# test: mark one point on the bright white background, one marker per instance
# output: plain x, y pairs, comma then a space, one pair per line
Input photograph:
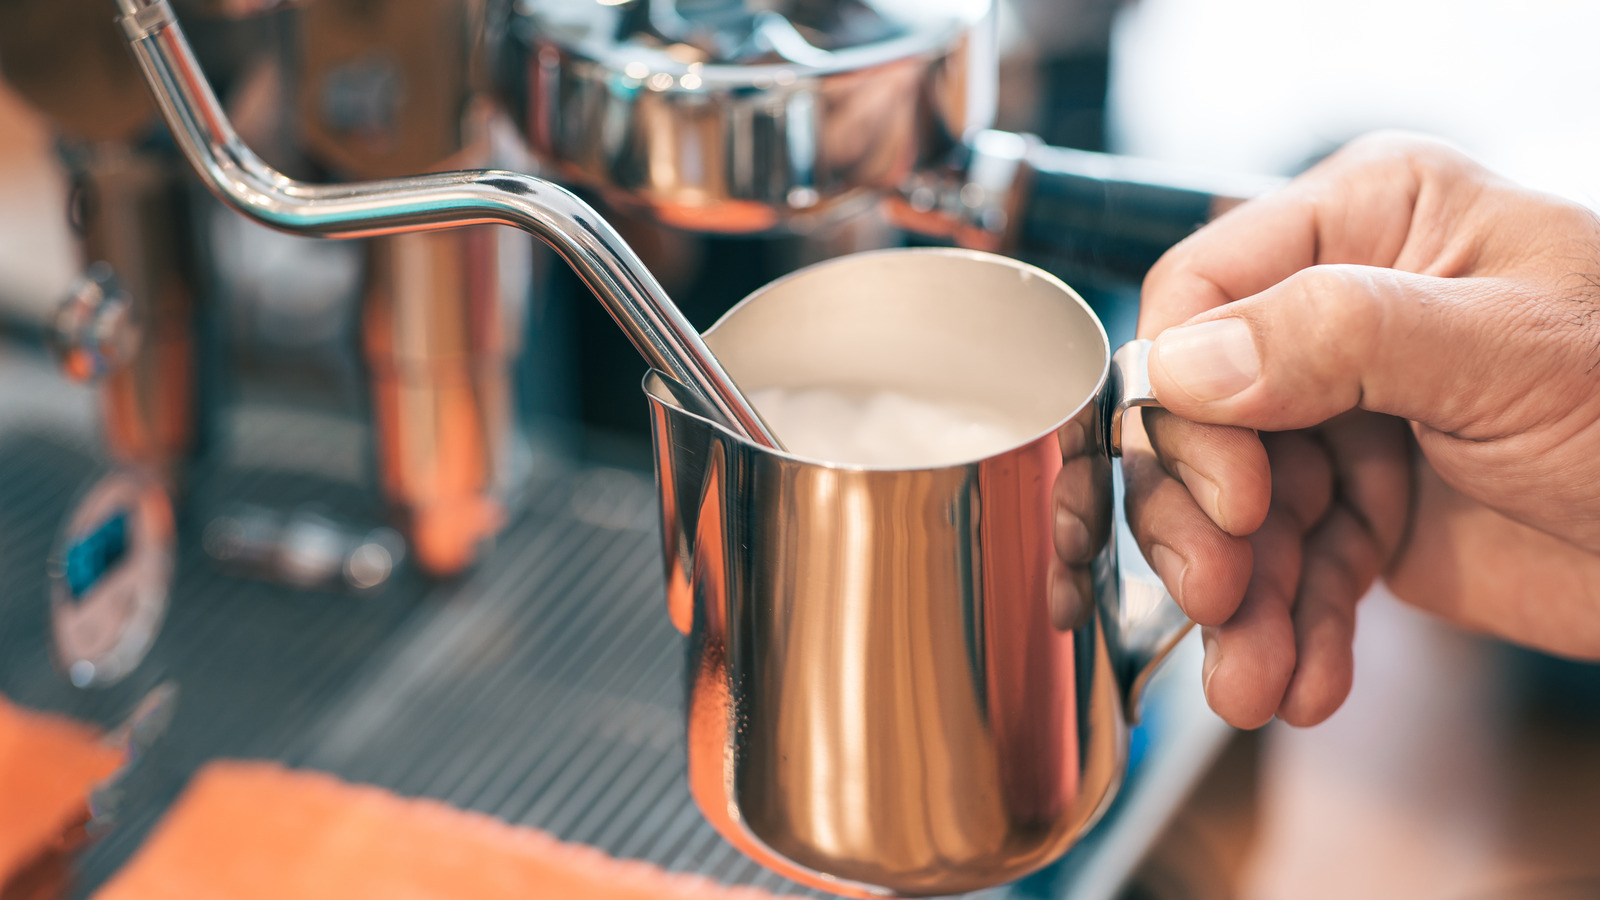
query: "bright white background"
1265, 85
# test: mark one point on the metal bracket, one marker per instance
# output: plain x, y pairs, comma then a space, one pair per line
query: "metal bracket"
146, 21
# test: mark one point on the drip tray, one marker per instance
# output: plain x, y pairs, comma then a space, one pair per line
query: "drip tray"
544, 689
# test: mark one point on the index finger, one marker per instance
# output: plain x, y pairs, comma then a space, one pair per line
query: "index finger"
1357, 206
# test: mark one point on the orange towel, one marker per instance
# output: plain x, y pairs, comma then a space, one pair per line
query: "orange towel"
245, 830
48, 765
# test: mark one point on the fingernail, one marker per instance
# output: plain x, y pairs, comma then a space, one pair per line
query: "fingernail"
1205, 493
1072, 537
1208, 637
1209, 361
1169, 565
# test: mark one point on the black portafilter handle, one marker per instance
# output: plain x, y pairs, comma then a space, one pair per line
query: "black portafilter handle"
1092, 214
1107, 214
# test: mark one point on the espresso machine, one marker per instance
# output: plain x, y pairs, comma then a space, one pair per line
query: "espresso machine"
185, 312
527, 672
732, 143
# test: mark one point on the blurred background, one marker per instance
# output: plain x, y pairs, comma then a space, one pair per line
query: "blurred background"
384, 507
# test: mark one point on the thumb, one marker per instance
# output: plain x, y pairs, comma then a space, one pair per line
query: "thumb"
1447, 352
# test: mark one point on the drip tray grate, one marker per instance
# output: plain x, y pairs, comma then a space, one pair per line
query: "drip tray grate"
547, 691
544, 689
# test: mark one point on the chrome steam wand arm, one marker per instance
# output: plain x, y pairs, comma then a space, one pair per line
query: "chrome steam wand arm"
595, 251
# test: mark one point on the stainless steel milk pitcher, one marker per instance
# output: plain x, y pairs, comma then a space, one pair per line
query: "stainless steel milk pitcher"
896, 685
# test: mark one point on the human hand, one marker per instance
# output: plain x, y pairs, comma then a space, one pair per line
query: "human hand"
1416, 341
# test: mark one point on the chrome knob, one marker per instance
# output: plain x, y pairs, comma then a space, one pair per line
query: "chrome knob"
94, 330
110, 576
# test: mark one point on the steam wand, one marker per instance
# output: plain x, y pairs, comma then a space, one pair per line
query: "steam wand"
571, 227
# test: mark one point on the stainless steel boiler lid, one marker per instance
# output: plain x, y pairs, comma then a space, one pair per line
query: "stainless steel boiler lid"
717, 115
747, 44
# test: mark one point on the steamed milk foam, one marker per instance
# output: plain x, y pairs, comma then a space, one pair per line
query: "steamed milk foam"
884, 428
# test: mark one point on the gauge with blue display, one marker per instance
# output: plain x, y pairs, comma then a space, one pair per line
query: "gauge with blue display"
109, 579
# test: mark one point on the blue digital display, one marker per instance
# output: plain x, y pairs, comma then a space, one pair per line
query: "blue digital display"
90, 557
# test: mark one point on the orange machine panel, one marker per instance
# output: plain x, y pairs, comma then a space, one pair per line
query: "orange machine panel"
247, 830
48, 765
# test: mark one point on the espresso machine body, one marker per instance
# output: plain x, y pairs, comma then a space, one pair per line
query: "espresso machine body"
418, 334
727, 144
733, 143
719, 117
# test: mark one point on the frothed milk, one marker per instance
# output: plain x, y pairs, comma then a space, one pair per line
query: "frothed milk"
883, 428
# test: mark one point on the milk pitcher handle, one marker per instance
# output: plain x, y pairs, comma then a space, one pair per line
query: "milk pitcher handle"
1145, 623
1130, 387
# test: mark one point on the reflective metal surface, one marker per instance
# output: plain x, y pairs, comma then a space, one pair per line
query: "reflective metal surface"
897, 683
305, 548
134, 738
439, 339
110, 575
724, 117
133, 217
544, 687
388, 89
426, 202
1011, 193
393, 89
93, 330
727, 117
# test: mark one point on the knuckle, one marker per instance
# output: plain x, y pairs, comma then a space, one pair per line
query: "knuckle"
1167, 266
1434, 160
1161, 293
1346, 305
1399, 149
1344, 566
1164, 431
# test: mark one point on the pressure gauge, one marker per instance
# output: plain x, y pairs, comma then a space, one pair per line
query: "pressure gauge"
110, 575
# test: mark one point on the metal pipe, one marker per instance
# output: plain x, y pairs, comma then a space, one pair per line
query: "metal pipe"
592, 247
